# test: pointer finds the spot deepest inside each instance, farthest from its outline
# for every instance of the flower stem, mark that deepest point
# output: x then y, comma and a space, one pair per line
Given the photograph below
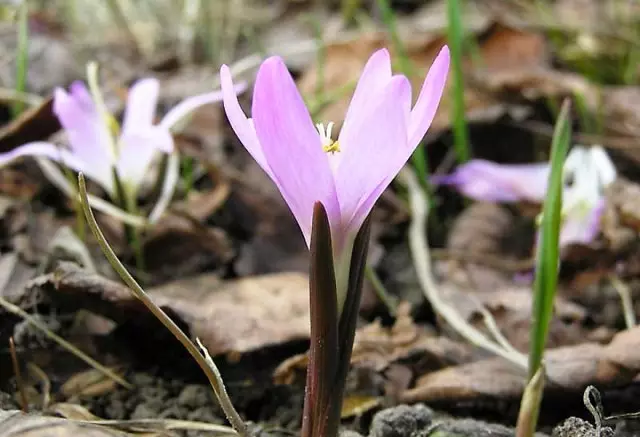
135, 235
127, 201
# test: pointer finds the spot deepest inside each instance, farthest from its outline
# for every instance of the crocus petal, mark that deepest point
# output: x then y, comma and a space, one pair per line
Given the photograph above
374, 152
582, 227
141, 105
88, 136
137, 150
241, 125
291, 144
43, 149
429, 98
488, 181
606, 170
187, 106
375, 76
79, 92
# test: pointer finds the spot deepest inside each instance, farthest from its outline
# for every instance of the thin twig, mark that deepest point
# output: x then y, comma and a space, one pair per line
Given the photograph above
208, 367
422, 262
45, 381
18, 375
62, 342
625, 299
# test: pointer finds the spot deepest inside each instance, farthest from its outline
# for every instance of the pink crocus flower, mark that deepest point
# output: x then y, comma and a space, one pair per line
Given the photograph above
347, 175
98, 146
587, 172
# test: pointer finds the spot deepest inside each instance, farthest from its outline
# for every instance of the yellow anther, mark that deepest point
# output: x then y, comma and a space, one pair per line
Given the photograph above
332, 148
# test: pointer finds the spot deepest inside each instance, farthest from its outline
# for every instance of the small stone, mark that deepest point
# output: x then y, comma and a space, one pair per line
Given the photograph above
194, 396
144, 411
401, 421
471, 428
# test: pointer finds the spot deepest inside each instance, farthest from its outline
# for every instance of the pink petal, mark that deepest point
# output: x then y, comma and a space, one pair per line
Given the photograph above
88, 136
429, 98
58, 154
137, 150
43, 149
291, 145
375, 76
187, 106
582, 228
374, 152
488, 181
82, 96
241, 125
141, 105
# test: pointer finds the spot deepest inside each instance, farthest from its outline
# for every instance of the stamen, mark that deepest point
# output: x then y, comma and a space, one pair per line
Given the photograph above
328, 145
332, 148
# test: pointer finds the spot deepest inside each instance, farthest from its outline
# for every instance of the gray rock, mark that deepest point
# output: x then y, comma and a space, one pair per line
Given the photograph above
402, 421
194, 396
470, 428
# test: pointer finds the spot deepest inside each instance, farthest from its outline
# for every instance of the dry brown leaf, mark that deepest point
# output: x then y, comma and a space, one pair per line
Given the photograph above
17, 424
378, 348
228, 316
621, 217
182, 242
482, 231
568, 368
34, 124
356, 406
88, 383
511, 307
503, 49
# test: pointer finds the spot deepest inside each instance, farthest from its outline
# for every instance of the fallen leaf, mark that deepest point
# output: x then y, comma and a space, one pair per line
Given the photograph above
569, 368
481, 233
34, 124
511, 308
88, 383
235, 316
18, 424
501, 49
356, 406
621, 217
379, 348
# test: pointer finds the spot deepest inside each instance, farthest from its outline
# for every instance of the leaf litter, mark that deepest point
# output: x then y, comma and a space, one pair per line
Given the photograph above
254, 306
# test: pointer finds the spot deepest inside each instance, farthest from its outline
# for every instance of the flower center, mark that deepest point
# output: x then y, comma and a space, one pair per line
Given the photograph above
328, 145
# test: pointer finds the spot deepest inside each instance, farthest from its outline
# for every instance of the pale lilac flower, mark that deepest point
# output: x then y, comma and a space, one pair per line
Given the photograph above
587, 172
94, 149
380, 132
98, 146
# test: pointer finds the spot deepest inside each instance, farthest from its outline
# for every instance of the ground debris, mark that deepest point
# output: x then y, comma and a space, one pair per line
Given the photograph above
17, 424
569, 368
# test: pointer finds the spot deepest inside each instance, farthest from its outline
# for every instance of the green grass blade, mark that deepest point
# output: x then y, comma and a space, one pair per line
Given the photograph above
455, 35
22, 57
547, 256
